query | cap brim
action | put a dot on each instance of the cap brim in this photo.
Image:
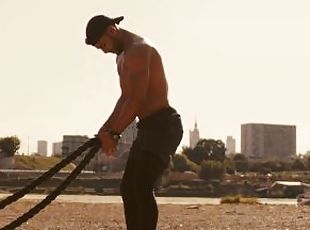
(118, 19)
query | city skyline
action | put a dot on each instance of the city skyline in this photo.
(227, 63)
(194, 136)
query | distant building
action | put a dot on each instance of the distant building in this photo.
(128, 136)
(57, 149)
(71, 143)
(42, 148)
(100, 162)
(268, 141)
(194, 136)
(230, 145)
(117, 162)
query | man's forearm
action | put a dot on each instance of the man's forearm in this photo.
(114, 114)
(127, 115)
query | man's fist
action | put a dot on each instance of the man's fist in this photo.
(108, 143)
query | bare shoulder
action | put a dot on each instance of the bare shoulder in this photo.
(139, 51)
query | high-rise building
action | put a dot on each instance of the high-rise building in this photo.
(230, 145)
(268, 141)
(42, 148)
(193, 136)
(57, 148)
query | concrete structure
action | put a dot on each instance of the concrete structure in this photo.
(42, 148)
(230, 145)
(71, 143)
(57, 149)
(287, 189)
(118, 161)
(194, 136)
(268, 141)
(128, 136)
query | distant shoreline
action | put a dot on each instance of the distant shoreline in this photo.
(102, 199)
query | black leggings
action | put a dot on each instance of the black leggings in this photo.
(158, 138)
(142, 171)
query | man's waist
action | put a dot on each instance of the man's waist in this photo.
(157, 117)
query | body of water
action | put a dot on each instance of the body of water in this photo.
(94, 199)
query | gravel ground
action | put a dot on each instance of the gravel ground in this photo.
(73, 216)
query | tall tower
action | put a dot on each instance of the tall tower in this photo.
(193, 136)
(230, 145)
(42, 148)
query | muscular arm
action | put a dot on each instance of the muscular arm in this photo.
(135, 85)
(107, 125)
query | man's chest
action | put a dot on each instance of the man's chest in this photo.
(122, 71)
(120, 62)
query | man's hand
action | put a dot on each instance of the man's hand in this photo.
(108, 143)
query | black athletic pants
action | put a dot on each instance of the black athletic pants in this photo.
(158, 138)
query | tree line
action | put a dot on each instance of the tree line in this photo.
(209, 161)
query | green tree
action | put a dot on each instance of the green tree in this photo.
(206, 149)
(211, 170)
(241, 162)
(298, 165)
(307, 162)
(9, 146)
(179, 163)
(229, 165)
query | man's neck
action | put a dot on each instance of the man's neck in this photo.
(128, 38)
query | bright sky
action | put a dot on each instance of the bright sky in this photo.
(227, 63)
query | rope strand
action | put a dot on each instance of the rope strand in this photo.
(36, 209)
(19, 194)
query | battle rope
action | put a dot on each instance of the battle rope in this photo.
(95, 146)
(46, 175)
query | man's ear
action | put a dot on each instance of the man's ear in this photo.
(112, 30)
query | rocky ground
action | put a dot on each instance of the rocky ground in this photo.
(73, 216)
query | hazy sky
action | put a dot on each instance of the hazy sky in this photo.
(227, 63)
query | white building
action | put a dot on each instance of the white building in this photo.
(268, 141)
(194, 136)
(230, 145)
(57, 148)
(42, 148)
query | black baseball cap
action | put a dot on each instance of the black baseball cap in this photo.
(97, 26)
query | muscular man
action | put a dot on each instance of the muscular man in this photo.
(143, 95)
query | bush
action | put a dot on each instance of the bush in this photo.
(211, 170)
(238, 200)
(181, 164)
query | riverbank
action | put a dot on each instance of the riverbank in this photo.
(72, 216)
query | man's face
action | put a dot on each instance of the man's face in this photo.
(105, 43)
(109, 43)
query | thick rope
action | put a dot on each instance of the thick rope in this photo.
(36, 209)
(19, 194)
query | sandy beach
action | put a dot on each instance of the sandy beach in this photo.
(72, 216)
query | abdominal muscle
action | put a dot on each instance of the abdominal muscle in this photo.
(156, 98)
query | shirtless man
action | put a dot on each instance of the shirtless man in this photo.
(144, 95)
